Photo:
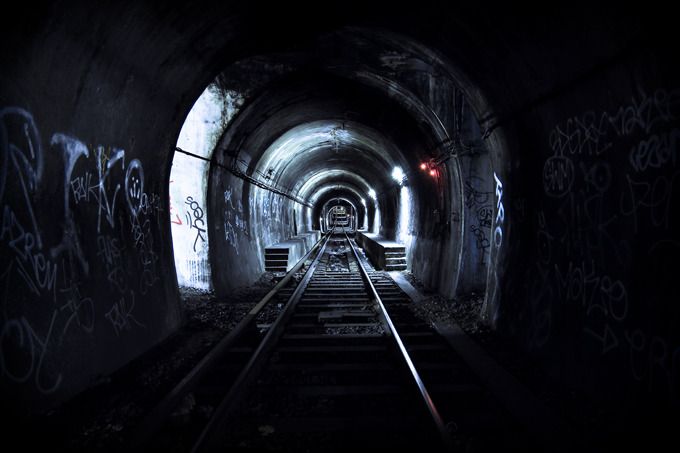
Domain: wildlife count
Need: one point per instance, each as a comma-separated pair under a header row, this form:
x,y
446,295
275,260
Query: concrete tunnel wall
x,y
84,141
598,226
579,115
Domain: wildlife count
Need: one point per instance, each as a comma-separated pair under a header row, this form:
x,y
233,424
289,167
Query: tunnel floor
x,y
103,417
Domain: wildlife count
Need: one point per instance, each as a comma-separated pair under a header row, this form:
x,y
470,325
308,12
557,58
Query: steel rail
x,y
155,419
434,413
237,391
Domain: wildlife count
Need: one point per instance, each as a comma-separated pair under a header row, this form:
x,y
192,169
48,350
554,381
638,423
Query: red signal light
x,y
423,166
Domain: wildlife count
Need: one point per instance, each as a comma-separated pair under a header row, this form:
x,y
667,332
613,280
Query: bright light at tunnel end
x,y
398,175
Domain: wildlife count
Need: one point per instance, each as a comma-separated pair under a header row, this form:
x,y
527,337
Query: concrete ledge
x,y
383,253
407,287
281,257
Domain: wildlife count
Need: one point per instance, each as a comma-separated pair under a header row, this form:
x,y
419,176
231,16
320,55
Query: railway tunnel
x,y
530,158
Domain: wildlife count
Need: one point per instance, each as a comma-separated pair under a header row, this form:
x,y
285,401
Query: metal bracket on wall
x,y
454,147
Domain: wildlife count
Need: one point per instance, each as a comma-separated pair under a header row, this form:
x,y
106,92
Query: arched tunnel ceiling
x,y
325,124
341,200
307,155
331,193
338,191
326,180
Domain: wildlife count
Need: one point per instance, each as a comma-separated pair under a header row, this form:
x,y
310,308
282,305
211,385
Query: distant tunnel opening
x,y
341,213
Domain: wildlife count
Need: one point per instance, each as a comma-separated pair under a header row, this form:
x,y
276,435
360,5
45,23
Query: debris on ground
x,y
104,417
465,311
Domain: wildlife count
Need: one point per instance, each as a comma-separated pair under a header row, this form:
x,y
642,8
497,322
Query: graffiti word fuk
x,y
194,217
500,212
82,187
121,317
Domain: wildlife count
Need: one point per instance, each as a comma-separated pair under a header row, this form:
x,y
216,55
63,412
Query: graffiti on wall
x,y
480,205
500,213
194,217
235,223
601,214
121,315
46,270
593,133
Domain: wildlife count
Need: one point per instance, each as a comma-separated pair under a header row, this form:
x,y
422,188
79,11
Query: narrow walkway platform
x,y
281,257
383,253
406,286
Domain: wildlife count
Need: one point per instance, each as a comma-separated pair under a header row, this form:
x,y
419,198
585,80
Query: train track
x,y
335,362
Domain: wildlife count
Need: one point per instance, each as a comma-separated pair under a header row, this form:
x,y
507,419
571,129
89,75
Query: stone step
x,y
384,254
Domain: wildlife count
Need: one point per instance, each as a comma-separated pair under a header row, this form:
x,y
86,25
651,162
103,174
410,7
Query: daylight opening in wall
x,y
198,137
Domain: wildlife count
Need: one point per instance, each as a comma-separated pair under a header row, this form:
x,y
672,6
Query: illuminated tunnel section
x,y
301,132
314,157
305,146
341,214
322,155
336,183
337,196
